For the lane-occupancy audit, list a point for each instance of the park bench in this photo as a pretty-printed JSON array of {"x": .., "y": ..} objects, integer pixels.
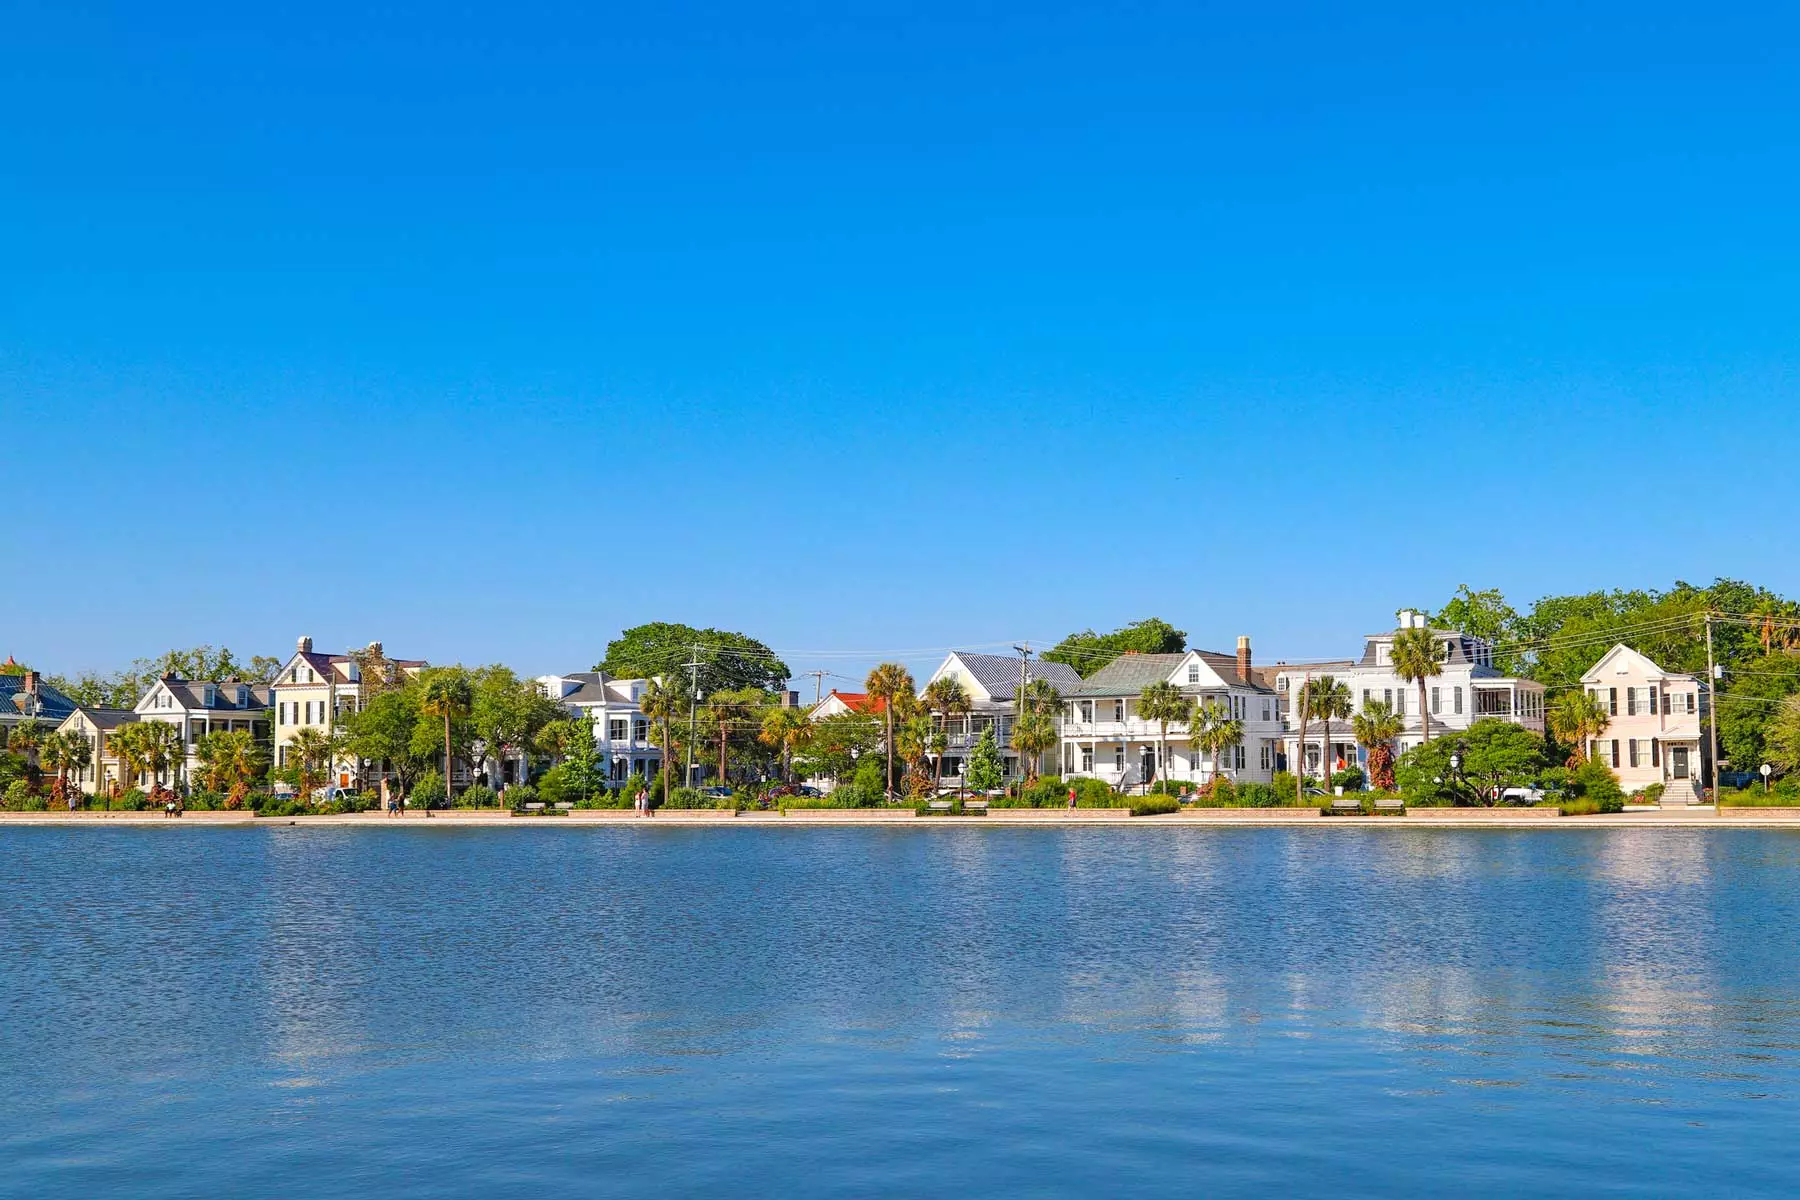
[
  {"x": 1390, "y": 804},
  {"x": 975, "y": 806},
  {"x": 534, "y": 808},
  {"x": 940, "y": 805},
  {"x": 1345, "y": 804},
  {"x": 565, "y": 805}
]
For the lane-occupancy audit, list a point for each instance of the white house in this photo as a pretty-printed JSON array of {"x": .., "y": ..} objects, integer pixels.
[
  {"x": 1105, "y": 736},
  {"x": 621, "y": 731},
  {"x": 200, "y": 707},
  {"x": 96, "y": 726},
  {"x": 1653, "y": 722},
  {"x": 1468, "y": 689},
  {"x": 992, "y": 682}
]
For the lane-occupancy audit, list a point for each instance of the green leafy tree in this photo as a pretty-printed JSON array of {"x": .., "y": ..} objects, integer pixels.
[
  {"x": 1473, "y": 766},
  {"x": 1376, "y": 727},
  {"x": 507, "y": 713},
  {"x": 728, "y": 661},
  {"x": 1163, "y": 703},
  {"x": 886, "y": 684},
  {"x": 1088, "y": 651},
  {"x": 1783, "y": 735},
  {"x": 1418, "y": 656},
  {"x": 1487, "y": 615},
  {"x": 984, "y": 772},
  {"x": 386, "y": 731},
  {"x": 838, "y": 742},
  {"x": 445, "y": 694}
]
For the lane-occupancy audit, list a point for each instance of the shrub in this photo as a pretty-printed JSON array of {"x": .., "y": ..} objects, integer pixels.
[
  {"x": 1351, "y": 779},
  {"x": 1262, "y": 795},
  {"x": 520, "y": 794},
  {"x": 686, "y": 797},
  {"x": 132, "y": 800},
  {"x": 1221, "y": 793},
  {"x": 1155, "y": 806},
  {"x": 479, "y": 796},
  {"x": 427, "y": 791},
  {"x": 19, "y": 796},
  {"x": 204, "y": 800},
  {"x": 1650, "y": 794},
  {"x": 1283, "y": 783},
  {"x": 1594, "y": 783}
]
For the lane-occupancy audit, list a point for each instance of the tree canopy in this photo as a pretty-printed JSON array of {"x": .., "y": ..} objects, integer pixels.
[
  {"x": 1088, "y": 651},
  {"x": 123, "y": 689},
  {"x": 728, "y": 661}
]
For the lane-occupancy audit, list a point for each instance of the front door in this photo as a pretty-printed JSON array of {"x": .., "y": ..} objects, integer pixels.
[
  {"x": 1678, "y": 761},
  {"x": 1148, "y": 763}
]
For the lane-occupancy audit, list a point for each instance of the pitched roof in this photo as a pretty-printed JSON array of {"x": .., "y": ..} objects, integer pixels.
[
  {"x": 999, "y": 675},
  {"x": 106, "y": 718},
  {"x": 1129, "y": 674},
  {"x": 191, "y": 693},
  {"x": 51, "y": 705},
  {"x": 592, "y": 689},
  {"x": 860, "y": 702}
]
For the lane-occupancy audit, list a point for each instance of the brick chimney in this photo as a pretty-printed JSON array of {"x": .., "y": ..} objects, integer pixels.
[
  {"x": 305, "y": 645},
  {"x": 1244, "y": 659},
  {"x": 29, "y": 684}
]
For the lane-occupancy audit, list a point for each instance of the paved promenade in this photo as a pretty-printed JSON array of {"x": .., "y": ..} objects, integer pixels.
[{"x": 1460, "y": 818}]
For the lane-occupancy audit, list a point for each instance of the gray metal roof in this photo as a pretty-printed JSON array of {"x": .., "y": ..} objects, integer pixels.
[
  {"x": 51, "y": 705},
  {"x": 191, "y": 694},
  {"x": 107, "y": 718},
  {"x": 1000, "y": 674}
]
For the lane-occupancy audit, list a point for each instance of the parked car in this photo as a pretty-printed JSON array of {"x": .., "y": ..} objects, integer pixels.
[
  {"x": 1738, "y": 779},
  {"x": 717, "y": 792},
  {"x": 811, "y": 793},
  {"x": 1521, "y": 795}
]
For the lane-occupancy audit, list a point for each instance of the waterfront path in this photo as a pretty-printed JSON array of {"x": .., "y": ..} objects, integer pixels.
[{"x": 1458, "y": 818}]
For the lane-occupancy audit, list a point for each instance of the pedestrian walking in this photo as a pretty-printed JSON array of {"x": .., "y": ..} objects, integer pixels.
[{"x": 1071, "y": 796}]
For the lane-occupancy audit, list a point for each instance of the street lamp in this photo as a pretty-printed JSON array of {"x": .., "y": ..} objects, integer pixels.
[{"x": 1767, "y": 771}]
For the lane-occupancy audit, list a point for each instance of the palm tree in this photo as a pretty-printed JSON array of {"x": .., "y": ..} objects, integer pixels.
[
  {"x": 1303, "y": 714},
  {"x": 55, "y": 753},
  {"x": 313, "y": 750},
  {"x": 446, "y": 694},
  {"x": 1418, "y": 656},
  {"x": 787, "y": 730},
  {"x": 1033, "y": 734},
  {"x": 948, "y": 698},
  {"x": 1163, "y": 702},
  {"x": 887, "y": 683},
  {"x": 661, "y": 702},
  {"x": 26, "y": 738},
  {"x": 559, "y": 738},
  {"x": 161, "y": 745},
  {"x": 1330, "y": 701},
  {"x": 1376, "y": 727},
  {"x": 1215, "y": 730},
  {"x": 127, "y": 742},
  {"x": 1576, "y": 719},
  {"x": 229, "y": 760},
  {"x": 731, "y": 710}
]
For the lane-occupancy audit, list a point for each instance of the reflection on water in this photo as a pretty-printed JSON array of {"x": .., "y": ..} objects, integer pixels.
[{"x": 318, "y": 1011}]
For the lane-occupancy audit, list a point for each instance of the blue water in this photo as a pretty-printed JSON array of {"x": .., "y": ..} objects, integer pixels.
[{"x": 660, "y": 1011}]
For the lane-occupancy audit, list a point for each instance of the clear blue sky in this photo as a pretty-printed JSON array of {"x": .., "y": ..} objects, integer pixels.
[{"x": 489, "y": 330}]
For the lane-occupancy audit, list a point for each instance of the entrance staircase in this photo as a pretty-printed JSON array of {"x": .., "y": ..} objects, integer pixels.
[{"x": 1679, "y": 794}]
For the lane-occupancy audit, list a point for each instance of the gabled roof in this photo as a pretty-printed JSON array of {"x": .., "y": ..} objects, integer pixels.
[
  {"x": 858, "y": 702},
  {"x": 49, "y": 704},
  {"x": 104, "y": 719},
  {"x": 999, "y": 675},
  {"x": 1624, "y": 656}
]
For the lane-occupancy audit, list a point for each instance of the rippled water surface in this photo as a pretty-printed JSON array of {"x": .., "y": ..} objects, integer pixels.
[{"x": 652, "y": 1011}]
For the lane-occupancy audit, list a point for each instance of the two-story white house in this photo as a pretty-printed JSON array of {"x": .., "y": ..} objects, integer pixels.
[
  {"x": 1106, "y": 737},
  {"x": 622, "y": 733},
  {"x": 96, "y": 727},
  {"x": 199, "y": 707},
  {"x": 1468, "y": 688},
  {"x": 1652, "y": 733},
  {"x": 992, "y": 682}
]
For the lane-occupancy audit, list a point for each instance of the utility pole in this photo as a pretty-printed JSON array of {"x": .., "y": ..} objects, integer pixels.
[
  {"x": 818, "y": 684},
  {"x": 693, "y": 709},
  {"x": 1712, "y": 702},
  {"x": 1024, "y": 678}
]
